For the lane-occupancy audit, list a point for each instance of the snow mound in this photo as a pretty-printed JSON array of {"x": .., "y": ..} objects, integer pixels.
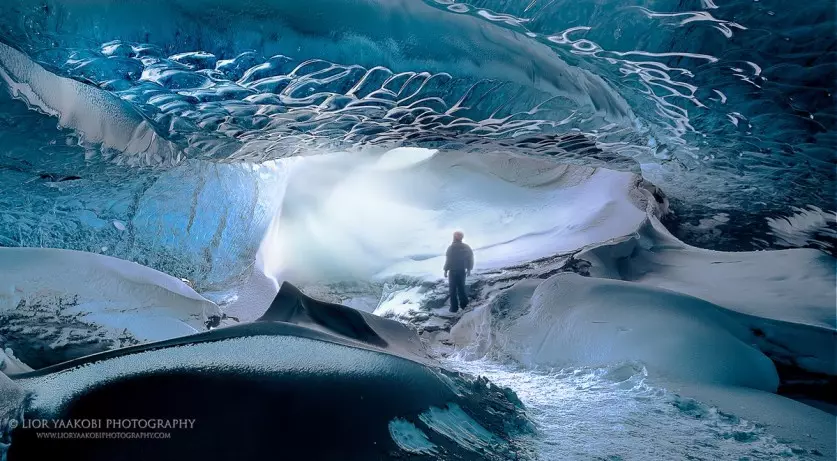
[
  {"x": 785, "y": 297},
  {"x": 117, "y": 295},
  {"x": 580, "y": 321}
]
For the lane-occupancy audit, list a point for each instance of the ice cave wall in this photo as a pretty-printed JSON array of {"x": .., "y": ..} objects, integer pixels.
[{"x": 58, "y": 194}]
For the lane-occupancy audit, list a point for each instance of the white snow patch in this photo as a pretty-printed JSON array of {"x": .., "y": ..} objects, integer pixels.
[
  {"x": 581, "y": 321},
  {"x": 116, "y": 294},
  {"x": 11, "y": 365},
  {"x": 786, "y": 297},
  {"x": 400, "y": 304}
]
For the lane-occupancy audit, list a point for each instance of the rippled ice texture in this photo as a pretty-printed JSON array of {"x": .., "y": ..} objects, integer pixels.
[
  {"x": 613, "y": 413},
  {"x": 727, "y": 105}
]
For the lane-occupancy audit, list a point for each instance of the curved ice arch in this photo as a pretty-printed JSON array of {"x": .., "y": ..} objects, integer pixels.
[
  {"x": 352, "y": 215},
  {"x": 458, "y": 43}
]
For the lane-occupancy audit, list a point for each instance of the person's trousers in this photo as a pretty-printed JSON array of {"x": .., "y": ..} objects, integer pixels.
[{"x": 458, "y": 295}]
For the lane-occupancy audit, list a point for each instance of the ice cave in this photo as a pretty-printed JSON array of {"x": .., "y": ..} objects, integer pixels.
[{"x": 226, "y": 230}]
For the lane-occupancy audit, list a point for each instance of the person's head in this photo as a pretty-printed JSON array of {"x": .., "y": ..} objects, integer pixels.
[{"x": 458, "y": 236}]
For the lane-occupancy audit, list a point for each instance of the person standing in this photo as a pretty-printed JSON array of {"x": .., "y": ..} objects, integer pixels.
[{"x": 459, "y": 260}]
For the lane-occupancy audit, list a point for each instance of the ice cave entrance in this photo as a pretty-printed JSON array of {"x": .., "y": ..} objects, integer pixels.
[{"x": 378, "y": 214}]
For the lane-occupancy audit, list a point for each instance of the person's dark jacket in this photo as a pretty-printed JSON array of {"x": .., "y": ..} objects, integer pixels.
[{"x": 459, "y": 257}]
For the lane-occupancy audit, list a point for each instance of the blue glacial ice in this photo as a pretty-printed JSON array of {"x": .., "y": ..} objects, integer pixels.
[{"x": 232, "y": 146}]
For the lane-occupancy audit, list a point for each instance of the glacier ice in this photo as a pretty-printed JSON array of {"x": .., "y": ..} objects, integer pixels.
[
  {"x": 201, "y": 89},
  {"x": 286, "y": 386},
  {"x": 96, "y": 116},
  {"x": 683, "y": 70},
  {"x": 240, "y": 145}
]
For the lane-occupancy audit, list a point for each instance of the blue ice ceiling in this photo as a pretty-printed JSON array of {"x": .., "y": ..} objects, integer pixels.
[{"x": 149, "y": 129}]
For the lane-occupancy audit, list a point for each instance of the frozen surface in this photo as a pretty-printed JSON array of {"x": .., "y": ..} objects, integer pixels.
[
  {"x": 118, "y": 295},
  {"x": 789, "y": 285},
  {"x": 729, "y": 120},
  {"x": 728, "y": 106},
  {"x": 205, "y": 220},
  {"x": 11, "y": 365},
  {"x": 257, "y": 354},
  {"x": 581, "y": 321},
  {"x": 294, "y": 377},
  {"x": 100, "y": 118},
  {"x": 455, "y": 424},
  {"x": 618, "y": 412},
  {"x": 410, "y": 438},
  {"x": 787, "y": 296}
]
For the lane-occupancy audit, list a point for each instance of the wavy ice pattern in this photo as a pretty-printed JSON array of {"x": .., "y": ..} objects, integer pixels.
[
  {"x": 728, "y": 107},
  {"x": 731, "y": 99}
]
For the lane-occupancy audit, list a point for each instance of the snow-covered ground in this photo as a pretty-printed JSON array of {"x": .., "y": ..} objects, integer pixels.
[
  {"x": 54, "y": 299},
  {"x": 687, "y": 348},
  {"x": 583, "y": 321},
  {"x": 785, "y": 298}
]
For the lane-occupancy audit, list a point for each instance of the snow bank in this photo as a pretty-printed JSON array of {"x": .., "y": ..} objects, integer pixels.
[
  {"x": 786, "y": 297},
  {"x": 118, "y": 295},
  {"x": 580, "y": 321},
  {"x": 708, "y": 325},
  {"x": 687, "y": 345},
  {"x": 788, "y": 285}
]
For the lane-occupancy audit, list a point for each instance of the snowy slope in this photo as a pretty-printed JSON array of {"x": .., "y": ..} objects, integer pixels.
[
  {"x": 584, "y": 321},
  {"x": 787, "y": 285},
  {"x": 116, "y": 295},
  {"x": 786, "y": 298}
]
